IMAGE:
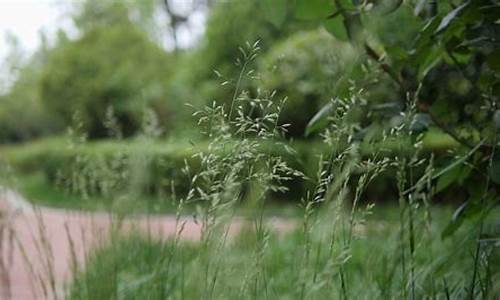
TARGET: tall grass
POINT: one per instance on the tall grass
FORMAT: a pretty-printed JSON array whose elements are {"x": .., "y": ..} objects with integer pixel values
[
  {"x": 338, "y": 249},
  {"x": 277, "y": 266},
  {"x": 342, "y": 247}
]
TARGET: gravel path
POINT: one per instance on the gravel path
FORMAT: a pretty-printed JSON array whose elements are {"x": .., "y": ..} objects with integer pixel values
[{"x": 39, "y": 246}]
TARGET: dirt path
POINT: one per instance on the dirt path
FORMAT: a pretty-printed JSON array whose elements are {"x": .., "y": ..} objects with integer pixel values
[{"x": 40, "y": 246}]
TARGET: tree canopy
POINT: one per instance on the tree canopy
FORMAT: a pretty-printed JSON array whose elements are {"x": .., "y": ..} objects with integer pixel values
[{"x": 113, "y": 66}]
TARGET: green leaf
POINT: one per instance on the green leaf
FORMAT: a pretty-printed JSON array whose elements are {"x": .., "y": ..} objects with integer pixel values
[
  {"x": 275, "y": 11},
  {"x": 426, "y": 35},
  {"x": 319, "y": 120},
  {"x": 390, "y": 108},
  {"x": 445, "y": 22},
  {"x": 464, "y": 174},
  {"x": 337, "y": 28},
  {"x": 430, "y": 57},
  {"x": 314, "y": 9}
]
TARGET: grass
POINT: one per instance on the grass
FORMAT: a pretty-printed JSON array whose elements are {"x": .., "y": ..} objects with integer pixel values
[{"x": 136, "y": 267}]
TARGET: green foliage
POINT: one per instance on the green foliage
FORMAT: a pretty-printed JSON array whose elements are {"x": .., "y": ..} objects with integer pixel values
[
  {"x": 308, "y": 68},
  {"x": 336, "y": 27},
  {"x": 336, "y": 251},
  {"x": 113, "y": 66},
  {"x": 132, "y": 260},
  {"x": 446, "y": 60},
  {"x": 99, "y": 171},
  {"x": 446, "y": 75}
]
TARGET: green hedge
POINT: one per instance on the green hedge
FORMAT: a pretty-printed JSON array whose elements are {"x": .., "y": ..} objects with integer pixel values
[
  {"x": 107, "y": 168},
  {"x": 112, "y": 163},
  {"x": 110, "y": 167}
]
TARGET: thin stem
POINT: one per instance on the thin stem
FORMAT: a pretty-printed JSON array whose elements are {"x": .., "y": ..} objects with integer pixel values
[
  {"x": 412, "y": 247},
  {"x": 476, "y": 264},
  {"x": 237, "y": 88}
]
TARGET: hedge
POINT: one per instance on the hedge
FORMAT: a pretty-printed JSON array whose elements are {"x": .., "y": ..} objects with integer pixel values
[{"x": 105, "y": 167}]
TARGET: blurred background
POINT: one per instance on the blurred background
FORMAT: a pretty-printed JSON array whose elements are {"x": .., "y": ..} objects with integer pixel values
[
  {"x": 62, "y": 57},
  {"x": 391, "y": 125},
  {"x": 107, "y": 71}
]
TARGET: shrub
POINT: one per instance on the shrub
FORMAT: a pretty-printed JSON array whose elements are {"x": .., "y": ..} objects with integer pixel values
[
  {"x": 101, "y": 168},
  {"x": 97, "y": 169}
]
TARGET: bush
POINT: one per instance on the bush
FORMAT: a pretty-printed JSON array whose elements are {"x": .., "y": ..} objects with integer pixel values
[
  {"x": 109, "y": 66},
  {"x": 308, "y": 68}
]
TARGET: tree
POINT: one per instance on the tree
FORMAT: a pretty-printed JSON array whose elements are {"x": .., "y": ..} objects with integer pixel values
[
  {"x": 230, "y": 25},
  {"x": 21, "y": 91},
  {"x": 113, "y": 65}
]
